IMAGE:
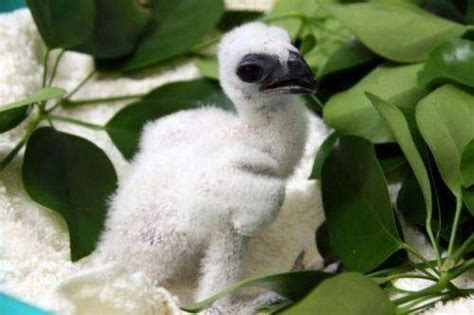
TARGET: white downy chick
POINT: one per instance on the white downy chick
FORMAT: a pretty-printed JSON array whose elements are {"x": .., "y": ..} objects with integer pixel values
[{"x": 205, "y": 179}]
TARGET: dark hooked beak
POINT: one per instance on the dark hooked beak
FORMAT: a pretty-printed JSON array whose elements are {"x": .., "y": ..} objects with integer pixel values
[{"x": 295, "y": 78}]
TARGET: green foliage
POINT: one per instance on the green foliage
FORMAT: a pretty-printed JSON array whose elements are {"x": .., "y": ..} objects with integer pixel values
[
  {"x": 292, "y": 285},
  {"x": 349, "y": 293},
  {"x": 73, "y": 177},
  {"x": 350, "y": 55},
  {"x": 350, "y": 112},
  {"x": 118, "y": 25},
  {"x": 208, "y": 67},
  {"x": 452, "y": 61},
  {"x": 447, "y": 129},
  {"x": 357, "y": 206},
  {"x": 60, "y": 28},
  {"x": 381, "y": 67},
  {"x": 467, "y": 164},
  {"x": 322, "y": 154},
  {"x": 125, "y": 127},
  {"x": 14, "y": 113},
  {"x": 379, "y": 26},
  {"x": 175, "y": 27}
]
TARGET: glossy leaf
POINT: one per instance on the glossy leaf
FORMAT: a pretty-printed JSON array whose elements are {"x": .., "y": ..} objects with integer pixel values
[
  {"x": 118, "y": 25},
  {"x": 14, "y": 113},
  {"x": 308, "y": 43},
  {"x": 351, "y": 112},
  {"x": 11, "y": 118},
  {"x": 446, "y": 121},
  {"x": 467, "y": 164},
  {"x": 322, "y": 154},
  {"x": 63, "y": 23},
  {"x": 125, "y": 127},
  {"x": 452, "y": 61},
  {"x": 378, "y": 25},
  {"x": 468, "y": 198},
  {"x": 297, "y": 7},
  {"x": 208, "y": 67},
  {"x": 323, "y": 243},
  {"x": 41, "y": 95},
  {"x": 350, "y": 55},
  {"x": 359, "y": 214},
  {"x": 292, "y": 285},
  {"x": 398, "y": 125},
  {"x": 348, "y": 293},
  {"x": 177, "y": 25},
  {"x": 74, "y": 177}
]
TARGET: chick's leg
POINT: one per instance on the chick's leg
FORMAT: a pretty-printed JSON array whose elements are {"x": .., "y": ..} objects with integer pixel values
[{"x": 221, "y": 265}]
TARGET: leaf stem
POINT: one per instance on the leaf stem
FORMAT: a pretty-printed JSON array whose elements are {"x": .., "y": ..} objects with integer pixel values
[
  {"x": 45, "y": 66},
  {"x": 456, "y": 272},
  {"x": 55, "y": 67},
  {"x": 81, "y": 84},
  {"x": 74, "y": 103},
  {"x": 431, "y": 290},
  {"x": 74, "y": 91},
  {"x": 76, "y": 122},
  {"x": 454, "y": 229},
  {"x": 415, "y": 253},
  {"x": 429, "y": 219},
  {"x": 457, "y": 255},
  {"x": 4, "y": 163},
  {"x": 390, "y": 278}
]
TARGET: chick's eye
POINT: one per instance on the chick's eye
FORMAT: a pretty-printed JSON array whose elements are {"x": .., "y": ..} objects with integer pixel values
[{"x": 250, "y": 73}]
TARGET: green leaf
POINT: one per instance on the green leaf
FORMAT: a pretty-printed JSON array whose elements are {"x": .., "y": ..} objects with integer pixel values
[
  {"x": 322, "y": 154},
  {"x": 63, "y": 23},
  {"x": 348, "y": 293},
  {"x": 323, "y": 243},
  {"x": 468, "y": 198},
  {"x": 118, "y": 25},
  {"x": 12, "y": 114},
  {"x": 350, "y": 112},
  {"x": 41, "y": 95},
  {"x": 411, "y": 202},
  {"x": 350, "y": 55},
  {"x": 452, "y": 61},
  {"x": 292, "y": 285},
  {"x": 309, "y": 41},
  {"x": 177, "y": 25},
  {"x": 469, "y": 15},
  {"x": 102, "y": 28},
  {"x": 234, "y": 18},
  {"x": 308, "y": 8},
  {"x": 378, "y": 25},
  {"x": 446, "y": 121},
  {"x": 125, "y": 127},
  {"x": 467, "y": 175},
  {"x": 73, "y": 177},
  {"x": 359, "y": 214},
  {"x": 208, "y": 67},
  {"x": 398, "y": 125},
  {"x": 11, "y": 118},
  {"x": 467, "y": 164}
]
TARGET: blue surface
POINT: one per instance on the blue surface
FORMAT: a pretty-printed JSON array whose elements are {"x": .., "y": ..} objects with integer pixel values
[
  {"x": 11, "y": 5},
  {"x": 12, "y": 306}
]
